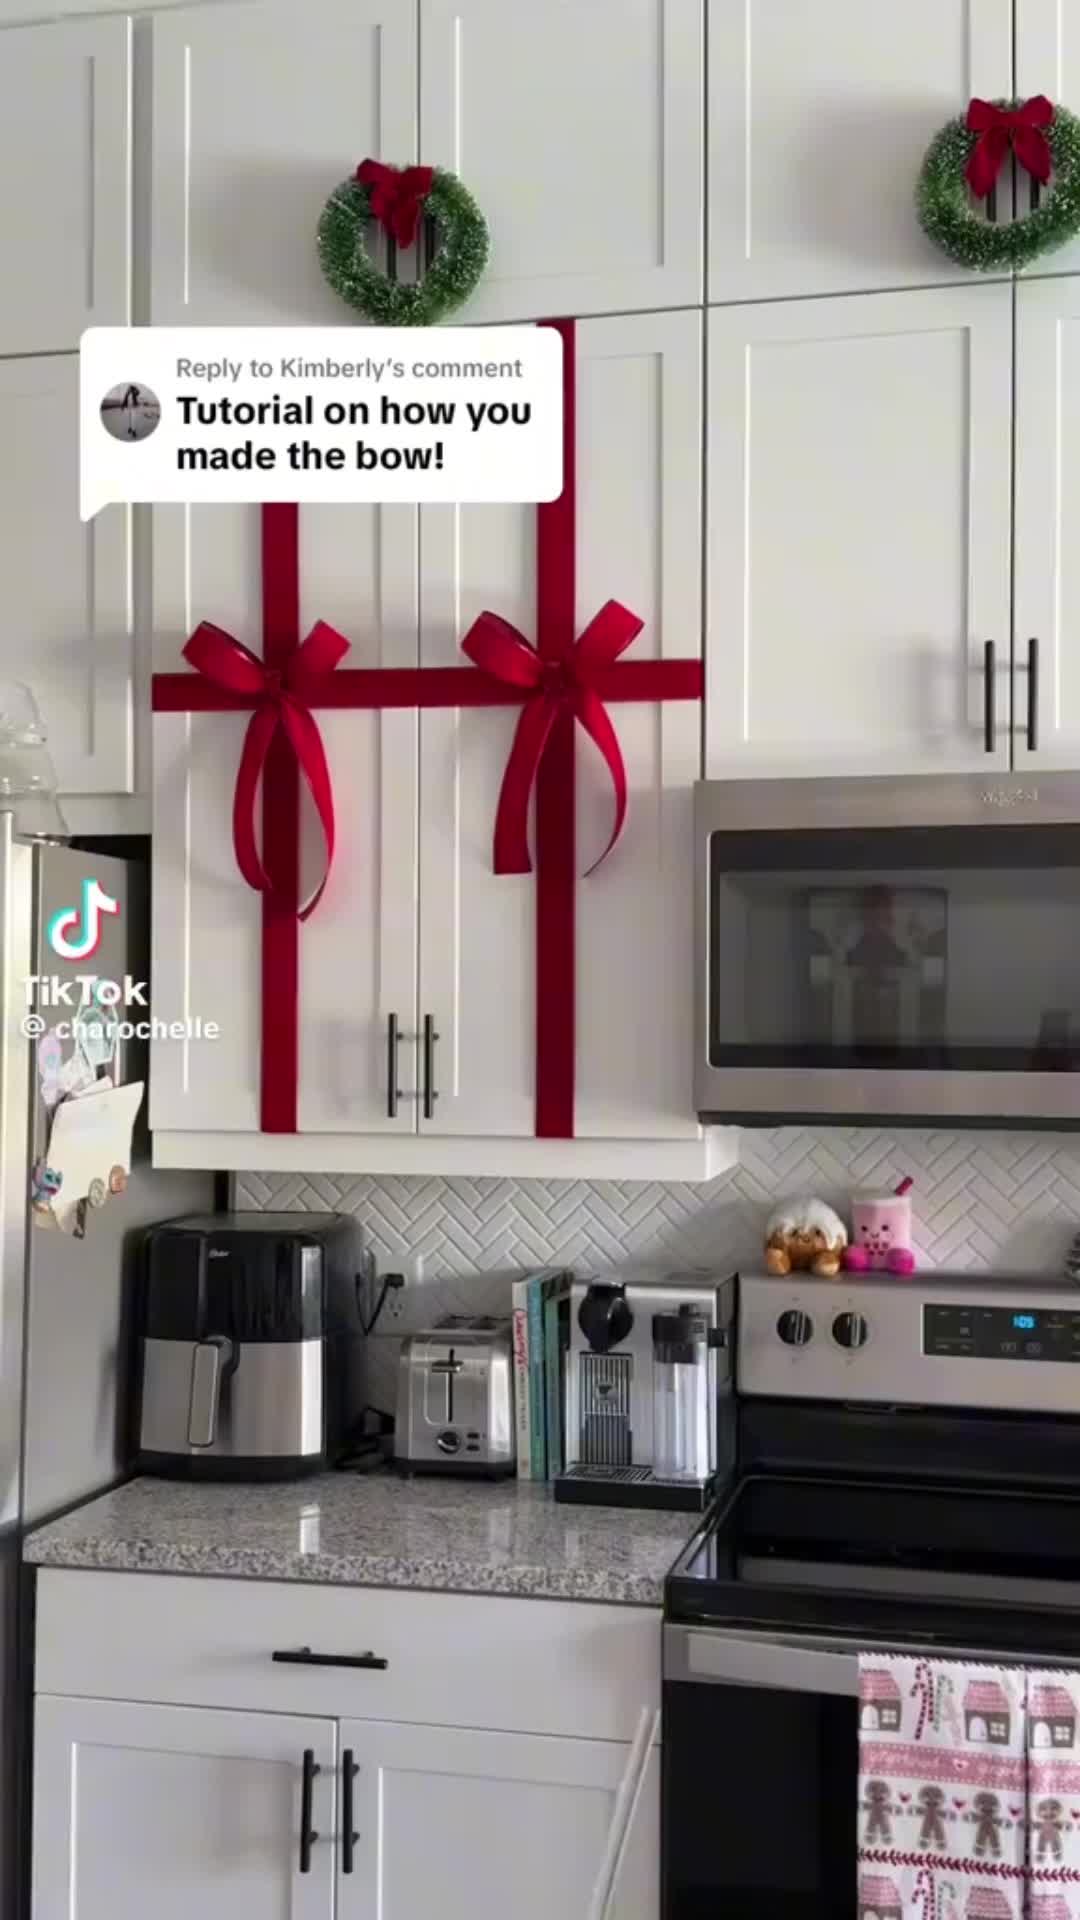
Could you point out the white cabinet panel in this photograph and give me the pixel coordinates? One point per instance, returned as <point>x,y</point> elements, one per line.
<point>468,1824</point>
<point>260,109</point>
<point>577,124</point>
<point>1047,601</point>
<point>818,119</point>
<point>638,476</point>
<point>68,622</point>
<point>148,1809</point>
<point>859,533</point>
<point>358,950</point>
<point>65,211</point>
<point>1048,61</point>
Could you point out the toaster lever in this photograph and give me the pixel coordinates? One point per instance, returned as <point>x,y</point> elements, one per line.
<point>208,1361</point>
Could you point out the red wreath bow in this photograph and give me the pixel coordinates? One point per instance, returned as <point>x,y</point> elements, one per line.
<point>280,692</point>
<point>1000,128</point>
<point>557,685</point>
<point>397,196</point>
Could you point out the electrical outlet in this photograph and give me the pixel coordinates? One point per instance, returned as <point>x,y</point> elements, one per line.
<point>395,1306</point>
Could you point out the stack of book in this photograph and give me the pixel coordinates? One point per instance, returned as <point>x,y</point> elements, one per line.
<point>541,1335</point>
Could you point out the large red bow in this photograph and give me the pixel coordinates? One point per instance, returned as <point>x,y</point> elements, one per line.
<point>1000,128</point>
<point>397,196</point>
<point>280,693</point>
<point>499,649</point>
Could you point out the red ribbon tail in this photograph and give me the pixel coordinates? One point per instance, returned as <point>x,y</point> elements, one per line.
<point>307,744</point>
<point>984,163</point>
<point>261,730</point>
<point>1033,152</point>
<point>594,717</point>
<point>512,817</point>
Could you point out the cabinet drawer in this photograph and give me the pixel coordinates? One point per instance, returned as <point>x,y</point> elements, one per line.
<point>466,1660</point>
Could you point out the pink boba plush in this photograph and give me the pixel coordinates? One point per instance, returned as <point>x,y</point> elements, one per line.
<point>881,1232</point>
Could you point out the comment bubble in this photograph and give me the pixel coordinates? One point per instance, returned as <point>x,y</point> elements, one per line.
<point>204,414</point>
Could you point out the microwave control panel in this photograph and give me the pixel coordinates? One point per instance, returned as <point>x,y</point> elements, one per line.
<point>1001,1333</point>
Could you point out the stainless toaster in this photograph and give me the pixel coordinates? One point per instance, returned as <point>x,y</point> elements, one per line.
<point>455,1406</point>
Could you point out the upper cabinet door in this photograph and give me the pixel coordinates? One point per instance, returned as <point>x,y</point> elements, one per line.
<point>357,952</point>
<point>577,124</point>
<point>819,115</point>
<point>859,533</point>
<point>65,216</point>
<point>68,623</point>
<point>1047,602</point>
<point>260,109</point>
<point>1048,61</point>
<point>638,541</point>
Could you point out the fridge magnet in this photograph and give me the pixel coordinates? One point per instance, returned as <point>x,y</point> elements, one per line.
<point>97,1193</point>
<point>877,967</point>
<point>117,1180</point>
<point>804,1236</point>
<point>45,1184</point>
<point>411,204</point>
<point>89,1136</point>
<point>960,170</point>
<point>95,1029</point>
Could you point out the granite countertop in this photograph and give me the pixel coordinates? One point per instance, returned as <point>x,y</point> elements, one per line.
<point>374,1530</point>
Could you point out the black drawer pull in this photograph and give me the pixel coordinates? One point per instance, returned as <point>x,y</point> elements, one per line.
<point>308,1835</point>
<point>430,1094</point>
<point>349,1837</point>
<point>989,697</point>
<point>303,1657</point>
<point>1033,696</point>
<point>392,1089</point>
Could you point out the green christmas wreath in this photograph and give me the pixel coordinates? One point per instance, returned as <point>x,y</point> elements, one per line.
<point>950,172</point>
<point>399,199</point>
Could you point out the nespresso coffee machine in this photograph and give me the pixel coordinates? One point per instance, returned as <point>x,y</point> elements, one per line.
<point>648,1391</point>
<point>248,1333</point>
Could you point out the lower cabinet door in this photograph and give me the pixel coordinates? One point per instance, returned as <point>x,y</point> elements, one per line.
<point>471,1826</point>
<point>176,1812</point>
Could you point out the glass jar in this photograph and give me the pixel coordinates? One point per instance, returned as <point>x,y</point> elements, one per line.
<point>27,774</point>
<point>683,1402</point>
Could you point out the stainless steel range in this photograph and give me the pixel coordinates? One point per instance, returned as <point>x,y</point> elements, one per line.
<point>908,1477</point>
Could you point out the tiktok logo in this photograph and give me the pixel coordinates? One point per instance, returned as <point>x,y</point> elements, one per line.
<point>75,932</point>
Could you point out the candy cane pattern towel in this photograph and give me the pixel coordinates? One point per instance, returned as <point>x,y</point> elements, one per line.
<point>1054,1795</point>
<point>942,1803</point>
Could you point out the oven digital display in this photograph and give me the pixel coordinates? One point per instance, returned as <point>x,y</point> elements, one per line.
<point>1001,1333</point>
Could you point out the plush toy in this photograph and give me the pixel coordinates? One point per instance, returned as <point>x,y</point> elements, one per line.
<point>804,1235</point>
<point>881,1232</point>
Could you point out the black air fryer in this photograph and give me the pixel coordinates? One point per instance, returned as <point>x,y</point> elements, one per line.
<point>248,1330</point>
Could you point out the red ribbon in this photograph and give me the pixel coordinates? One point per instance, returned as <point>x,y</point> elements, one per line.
<point>1000,128</point>
<point>397,196</point>
<point>280,708</point>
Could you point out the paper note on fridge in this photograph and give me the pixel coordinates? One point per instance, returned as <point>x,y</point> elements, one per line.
<point>90,1141</point>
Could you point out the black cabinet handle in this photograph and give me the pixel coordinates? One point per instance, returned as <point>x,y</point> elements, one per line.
<point>349,1838</point>
<point>430,1095</point>
<point>392,1037</point>
<point>308,1835</point>
<point>989,697</point>
<point>303,1657</point>
<point>1033,696</point>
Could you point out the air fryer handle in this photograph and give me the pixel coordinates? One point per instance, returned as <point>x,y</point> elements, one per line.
<point>208,1362</point>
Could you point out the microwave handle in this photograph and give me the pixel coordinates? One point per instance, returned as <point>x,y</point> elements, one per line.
<point>701,1656</point>
<point>208,1362</point>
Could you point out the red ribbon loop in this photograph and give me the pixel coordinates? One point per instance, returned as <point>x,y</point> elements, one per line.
<point>497,648</point>
<point>280,692</point>
<point>1000,128</point>
<point>397,196</point>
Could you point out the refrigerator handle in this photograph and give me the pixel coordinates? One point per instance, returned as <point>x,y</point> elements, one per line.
<point>208,1362</point>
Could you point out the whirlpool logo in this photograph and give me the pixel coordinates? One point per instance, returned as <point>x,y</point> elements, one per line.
<point>75,932</point>
<point>1004,797</point>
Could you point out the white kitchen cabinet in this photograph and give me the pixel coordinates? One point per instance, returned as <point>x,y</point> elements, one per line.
<point>1047,584</point>
<point>819,116</point>
<point>859,533</point>
<point>260,108</point>
<point>578,125</point>
<point>146,1809</point>
<point>68,616</point>
<point>638,473</point>
<point>358,950</point>
<point>471,1824</point>
<point>1048,61</point>
<point>65,214</point>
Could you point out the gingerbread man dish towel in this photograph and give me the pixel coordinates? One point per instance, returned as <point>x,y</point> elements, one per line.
<point>942,1790</point>
<point>1053,1795</point>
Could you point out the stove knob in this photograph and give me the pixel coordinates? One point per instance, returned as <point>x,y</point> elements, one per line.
<point>849,1330</point>
<point>795,1329</point>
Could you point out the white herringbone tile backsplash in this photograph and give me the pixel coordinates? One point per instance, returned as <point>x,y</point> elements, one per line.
<point>1004,1200</point>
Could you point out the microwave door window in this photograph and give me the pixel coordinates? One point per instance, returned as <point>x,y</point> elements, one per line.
<point>896,950</point>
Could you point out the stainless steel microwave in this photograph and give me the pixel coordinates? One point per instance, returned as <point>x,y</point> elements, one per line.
<point>889,948</point>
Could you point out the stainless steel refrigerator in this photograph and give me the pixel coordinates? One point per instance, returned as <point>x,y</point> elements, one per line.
<point>63,1324</point>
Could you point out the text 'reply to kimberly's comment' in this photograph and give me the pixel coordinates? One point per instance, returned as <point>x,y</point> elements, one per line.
<point>205,414</point>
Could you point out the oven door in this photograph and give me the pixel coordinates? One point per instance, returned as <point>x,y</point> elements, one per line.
<point>760,1772</point>
<point>888,947</point>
